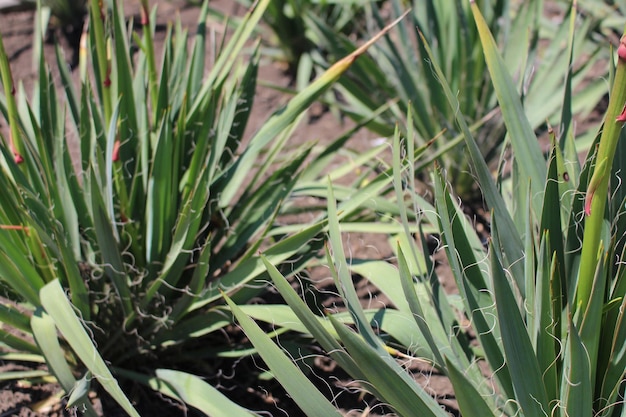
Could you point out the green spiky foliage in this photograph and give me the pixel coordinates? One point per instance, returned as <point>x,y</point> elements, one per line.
<point>132,203</point>
<point>535,324</point>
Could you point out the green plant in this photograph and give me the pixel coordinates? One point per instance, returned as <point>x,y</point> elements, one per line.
<point>290,40</point>
<point>156,209</point>
<point>67,12</point>
<point>537,327</point>
<point>609,15</point>
<point>68,15</point>
<point>399,70</point>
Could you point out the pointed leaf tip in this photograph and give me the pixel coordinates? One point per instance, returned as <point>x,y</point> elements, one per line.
<point>597,177</point>
<point>359,51</point>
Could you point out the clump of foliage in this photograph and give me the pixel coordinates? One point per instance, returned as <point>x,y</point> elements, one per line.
<point>115,252</point>
<point>400,71</point>
<point>312,35</point>
<point>537,326</point>
<point>66,15</point>
<point>290,38</point>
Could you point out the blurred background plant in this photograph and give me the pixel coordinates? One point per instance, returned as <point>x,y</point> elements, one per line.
<point>68,14</point>
<point>67,11</point>
<point>535,324</point>
<point>397,72</point>
<point>140,199</point>
<point>610,16</point>
<point>289,38</point>
<point>532,48</point>
<point>65,16</point>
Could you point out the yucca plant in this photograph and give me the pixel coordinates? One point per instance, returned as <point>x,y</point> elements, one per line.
<point>536,326</point>
<point>399,71</point>
<point>609,15</point>
<point>64,17</point>
<point>290,41</point>
<point>115,247</point>
<point>68,15</point>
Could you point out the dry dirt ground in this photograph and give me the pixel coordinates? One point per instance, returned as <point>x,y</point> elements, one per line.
<point>266,397</point>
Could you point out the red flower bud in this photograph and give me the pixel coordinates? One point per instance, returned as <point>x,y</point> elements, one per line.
<point>107,77</point>
<point>621,49</point>
<point>622,116</point>
<point>116,151</point>
<point>17,157</point>
<point>145,18</point>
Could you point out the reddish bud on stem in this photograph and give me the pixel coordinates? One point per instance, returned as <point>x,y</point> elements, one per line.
<point>622,116</point>
<point>107,78</point>
<point>621,49</point>
<point>17,157</point>
<point>116,151</point>
<point>145,19</point>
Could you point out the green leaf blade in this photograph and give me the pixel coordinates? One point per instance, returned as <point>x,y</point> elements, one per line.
<point>303,392</point>
<point>57,306</point>
<point>527,380</point>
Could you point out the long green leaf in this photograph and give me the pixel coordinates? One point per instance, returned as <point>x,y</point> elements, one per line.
<point>343,277</point>
<point>471,281</point>
<point>106,232</point>
<point>194,391</point>
<point>523,139</point>
<point>45,334</point>
<point>471,402</point>
<point>427,320</point>
<point>551,219</point>
<point>13,375</point>
<point>17,272</point>
<point>616,359</point>
<point>57,306</point>
<point>313,324</point>
<point>545,315</point>
<point>512,243</point>
<point>284,117</point>
<point>576,388</point>
<point>395,385</point>
<point>251,268</point>
<point>12,316</point>
<point>530,390</point>
<point>9,339</point>
<point>303,392</point>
